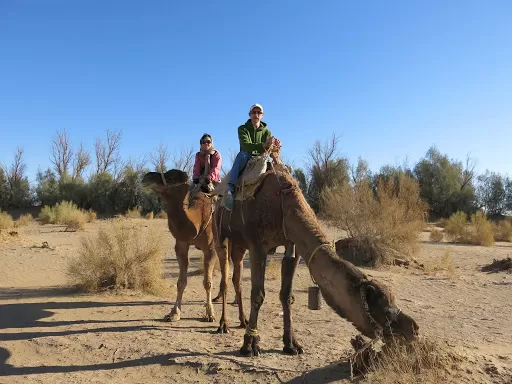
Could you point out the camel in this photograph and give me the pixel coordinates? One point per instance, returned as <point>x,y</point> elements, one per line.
<point>278,214</point>
<point>190,222</point>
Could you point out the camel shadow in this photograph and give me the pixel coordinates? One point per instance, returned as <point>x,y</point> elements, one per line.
<point>329,374</point>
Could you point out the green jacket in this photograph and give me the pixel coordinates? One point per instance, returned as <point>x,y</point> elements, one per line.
<point>251,140</point>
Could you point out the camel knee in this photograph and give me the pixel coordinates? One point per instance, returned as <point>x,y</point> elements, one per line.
<point>207,284</point>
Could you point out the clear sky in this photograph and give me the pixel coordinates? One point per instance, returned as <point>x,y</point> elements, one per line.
<point>390,78</point>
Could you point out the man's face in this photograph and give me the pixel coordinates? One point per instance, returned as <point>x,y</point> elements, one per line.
<point>256,115</point>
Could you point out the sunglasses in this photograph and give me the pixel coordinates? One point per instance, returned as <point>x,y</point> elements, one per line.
<point>256,113</point>
<point>206,142</point>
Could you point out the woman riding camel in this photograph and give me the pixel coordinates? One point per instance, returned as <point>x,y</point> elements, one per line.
<point>207,165</point>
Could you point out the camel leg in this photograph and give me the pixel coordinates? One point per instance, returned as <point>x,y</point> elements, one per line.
<point>209,263</point>
<point>237,256</point>
<point>181,249</point>
<point>222,253</point>
<point>289,265</point>
<point>258,259</point>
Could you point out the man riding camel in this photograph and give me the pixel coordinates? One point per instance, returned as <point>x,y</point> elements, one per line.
<point>255,138</point>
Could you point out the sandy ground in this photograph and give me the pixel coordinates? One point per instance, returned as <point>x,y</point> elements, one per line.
<point>50,334</point>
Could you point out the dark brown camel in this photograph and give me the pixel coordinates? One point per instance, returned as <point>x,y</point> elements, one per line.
<point>190,222</point>
<point>279,215</point>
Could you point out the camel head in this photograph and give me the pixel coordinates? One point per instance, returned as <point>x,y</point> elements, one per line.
<point>160,182</point>
<point>381,313</point>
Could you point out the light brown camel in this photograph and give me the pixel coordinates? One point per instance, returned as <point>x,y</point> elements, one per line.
<point>190,222</point>
<point>278,215</point>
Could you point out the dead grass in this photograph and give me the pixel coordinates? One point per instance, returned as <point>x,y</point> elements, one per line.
<point>385,222</point>
<point>502,230</point>
<point>150,216</point>
<point>436,235</point>
<point>442,264</point>
<point>135,213</point>
<point>6,221</point>
<point>120,257</point>
<point>422,361</point>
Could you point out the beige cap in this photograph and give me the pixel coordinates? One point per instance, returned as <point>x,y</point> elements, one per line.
<point>256,106</point>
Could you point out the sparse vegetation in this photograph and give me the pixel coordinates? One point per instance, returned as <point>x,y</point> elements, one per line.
<point>422,361</point>
<point>150,215</point>
<point>23,220</point>
<point>134,213</point>
<point>499,265</point>
<point>442,264</point>
<point>65,213</point>
<point>502,231</point>
<point>436,235</point>
<point>161,215</point>
<point>477,232</point>
<point>383,222</point>
<point>119,257</point>
<point>6,221</point>
<point>90,215</point>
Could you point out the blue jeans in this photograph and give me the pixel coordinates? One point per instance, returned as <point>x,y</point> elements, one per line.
<point>238,165</point>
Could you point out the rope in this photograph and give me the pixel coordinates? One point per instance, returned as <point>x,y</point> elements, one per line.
<point>251,332</point>
<point>311,258</point>
<point>207,223</point>
<point>163,178</point>
<point>376,326</point>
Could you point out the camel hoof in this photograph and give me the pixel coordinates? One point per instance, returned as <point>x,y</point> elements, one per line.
<point>171,317</point>
<point>251,346</point>
<point>223,328</point>
<point>293,350</point>
<point>209,318</point>
<point>244,323</point>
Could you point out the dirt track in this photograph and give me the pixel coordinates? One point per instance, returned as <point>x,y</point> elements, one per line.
<point>53,335</point>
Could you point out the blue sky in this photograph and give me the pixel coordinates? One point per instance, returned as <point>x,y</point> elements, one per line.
<point>389,78</point>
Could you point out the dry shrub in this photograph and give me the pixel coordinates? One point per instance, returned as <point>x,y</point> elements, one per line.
<point>386,221</point>
<point>502,231</point>
<point>6,221</point>
<point>150,215</point>
<point>120,257</point>
<point>24,220</point>
<point>421,361</point>
<point>456,228</point>
<point>482,234</point>
<point>65,213</point>
<point>161,215</point>
<point>90,215</point>
<point>441,264</point>
<point>273,270</point>
<point>436,235</point>
<point>477,232</point>
<point>134,213</point>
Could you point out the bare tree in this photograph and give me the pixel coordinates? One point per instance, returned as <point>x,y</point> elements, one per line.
<point>360,172</point>
<point>62,153</point>
<point>18,188</point>
<point>81,161</point>
<point>184,160</point>
<point>160,157</point>
<point>136,164</point>
<point>107,154</point>
<point>468,172</point>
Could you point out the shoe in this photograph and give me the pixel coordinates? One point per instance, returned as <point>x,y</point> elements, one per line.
<point>228,201</point>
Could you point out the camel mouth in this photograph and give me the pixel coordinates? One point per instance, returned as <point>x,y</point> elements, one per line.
<point>403,325</point>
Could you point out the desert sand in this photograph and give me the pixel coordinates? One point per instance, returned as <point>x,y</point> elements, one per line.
<point>53,334</point>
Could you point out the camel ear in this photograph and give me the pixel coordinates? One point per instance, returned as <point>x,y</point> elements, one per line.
<point>371,292</point>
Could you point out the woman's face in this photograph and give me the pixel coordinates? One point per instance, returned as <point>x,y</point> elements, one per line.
<point>206,143</point>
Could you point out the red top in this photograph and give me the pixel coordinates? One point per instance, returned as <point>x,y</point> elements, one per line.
<point>215,166</point>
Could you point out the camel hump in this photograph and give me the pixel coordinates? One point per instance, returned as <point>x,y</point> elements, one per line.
<point>173,176</point>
